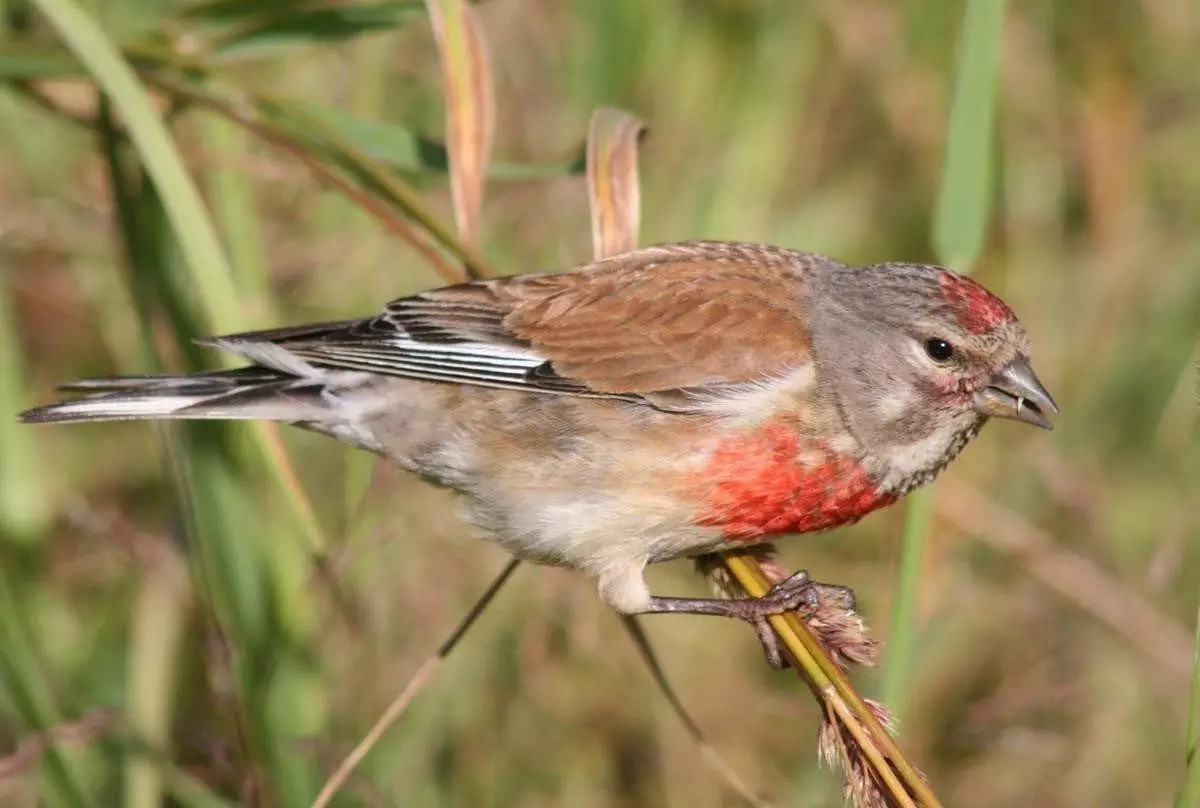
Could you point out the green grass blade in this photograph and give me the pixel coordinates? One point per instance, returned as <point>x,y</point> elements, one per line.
<point>189,792</point>
<point>965,195</point>
<point>255,581</point>
<point>960,224</point>
<point>28,689</point>
<point>160,617</point>
<point>259,29</point>
<point>1189,794</point>
<point>183,788</point>
<point>20,61</point>
<point>415,154</point>
<point>234,202</point>
<point>190,223</point>
<point>230,577</point>
<point>211,275</point>
<point>231,11</point>
<point>332,145</point>
<point>25,507</point>
<point>918,516</point>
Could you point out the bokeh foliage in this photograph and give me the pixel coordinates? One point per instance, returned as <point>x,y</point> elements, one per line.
<point>172,576</point>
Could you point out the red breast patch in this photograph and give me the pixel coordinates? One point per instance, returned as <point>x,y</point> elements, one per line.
<point>754,485</point>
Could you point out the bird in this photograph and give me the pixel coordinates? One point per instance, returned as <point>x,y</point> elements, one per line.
<point>668,402</point>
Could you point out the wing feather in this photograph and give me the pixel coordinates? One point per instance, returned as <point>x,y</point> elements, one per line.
<point>691,317</point>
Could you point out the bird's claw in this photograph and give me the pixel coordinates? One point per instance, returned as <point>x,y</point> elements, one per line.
<point>798,592</point>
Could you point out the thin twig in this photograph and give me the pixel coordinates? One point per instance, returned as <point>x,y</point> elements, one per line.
<point>707,750</point>
<point>412,689</point>
<point>31,747</point>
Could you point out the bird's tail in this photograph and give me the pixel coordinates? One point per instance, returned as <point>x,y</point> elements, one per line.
<point>244,393</point>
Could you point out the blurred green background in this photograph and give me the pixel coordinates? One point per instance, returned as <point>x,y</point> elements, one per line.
<point>165,576</point>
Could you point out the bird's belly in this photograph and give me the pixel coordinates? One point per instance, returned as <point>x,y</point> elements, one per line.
<point>581,529</point>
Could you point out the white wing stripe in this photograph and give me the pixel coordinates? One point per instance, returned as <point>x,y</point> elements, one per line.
<point>407,344</point>
<point>486,363</point>
<point>413,370</point>
<point>401,355</point>
<point>481,359</point>
<point>399,361</point>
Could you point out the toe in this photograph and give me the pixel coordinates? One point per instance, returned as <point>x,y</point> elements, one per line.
<point>843,596</point>
<point>770,644</point>
<point>797,580</point>
<point>790,594</point>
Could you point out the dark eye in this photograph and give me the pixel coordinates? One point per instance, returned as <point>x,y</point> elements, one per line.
<point>938,349</point>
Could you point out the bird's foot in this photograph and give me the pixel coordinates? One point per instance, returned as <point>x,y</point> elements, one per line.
<point>798,592</point>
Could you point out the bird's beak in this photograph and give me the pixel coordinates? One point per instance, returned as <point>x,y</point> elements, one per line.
<point>1015,392</point>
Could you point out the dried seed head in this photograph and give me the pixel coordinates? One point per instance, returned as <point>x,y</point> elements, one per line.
<point>863,787</point>
<point>843,633</point>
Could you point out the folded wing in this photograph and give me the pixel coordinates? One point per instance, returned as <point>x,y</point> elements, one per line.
<point>693,317</point>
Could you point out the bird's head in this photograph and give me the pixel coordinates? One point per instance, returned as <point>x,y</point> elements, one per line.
<point>917,357</point>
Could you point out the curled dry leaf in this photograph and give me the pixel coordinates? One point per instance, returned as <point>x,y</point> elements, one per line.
<point>470,107</point>
<point>612,174</point>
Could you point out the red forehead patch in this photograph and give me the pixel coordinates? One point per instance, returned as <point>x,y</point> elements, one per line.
<point>977,309</point>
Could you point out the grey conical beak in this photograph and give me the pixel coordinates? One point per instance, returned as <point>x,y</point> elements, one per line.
<point>1015,392</point>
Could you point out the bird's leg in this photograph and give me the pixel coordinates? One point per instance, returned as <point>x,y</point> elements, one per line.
<point>789,595</point>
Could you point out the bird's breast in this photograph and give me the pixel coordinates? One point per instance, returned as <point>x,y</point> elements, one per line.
<point>771,480</point>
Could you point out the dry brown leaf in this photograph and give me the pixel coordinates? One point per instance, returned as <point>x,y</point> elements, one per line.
<point>470,107</point>
<point>612,173</point>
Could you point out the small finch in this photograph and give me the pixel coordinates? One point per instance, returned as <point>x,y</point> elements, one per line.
<point>668,402</point>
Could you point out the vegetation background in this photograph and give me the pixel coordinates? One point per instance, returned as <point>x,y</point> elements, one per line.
<point>1052,656</point>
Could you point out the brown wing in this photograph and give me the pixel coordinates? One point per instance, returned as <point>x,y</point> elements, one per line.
<point>685,316</point>
<point>660,318</point>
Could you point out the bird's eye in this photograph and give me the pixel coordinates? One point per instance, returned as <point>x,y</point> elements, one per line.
<point>939,350</point>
